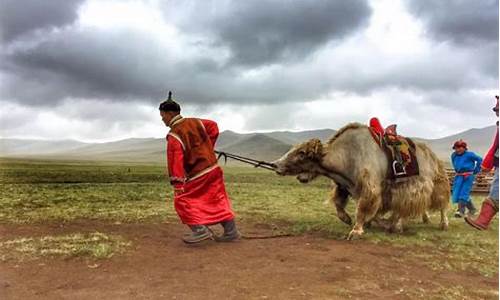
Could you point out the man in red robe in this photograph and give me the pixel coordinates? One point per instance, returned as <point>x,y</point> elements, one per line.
<point>200,196</point>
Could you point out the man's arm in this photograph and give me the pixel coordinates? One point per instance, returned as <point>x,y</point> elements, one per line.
<point>479,161</point>
<point>212,130</point>
<point>175,159</point>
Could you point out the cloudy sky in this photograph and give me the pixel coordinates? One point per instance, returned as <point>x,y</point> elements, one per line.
<point>97,70</point>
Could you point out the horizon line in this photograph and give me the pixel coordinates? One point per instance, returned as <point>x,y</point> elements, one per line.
<point>228,130</point>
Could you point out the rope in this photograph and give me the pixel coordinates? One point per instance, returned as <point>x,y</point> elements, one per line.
<point>264,237</point>
<point>253,162</point>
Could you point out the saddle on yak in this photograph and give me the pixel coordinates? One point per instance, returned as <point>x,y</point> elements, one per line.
<point>400,151</point>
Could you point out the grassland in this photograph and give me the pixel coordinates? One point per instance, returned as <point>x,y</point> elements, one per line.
<point>33,192</point>
<point>94,245</point>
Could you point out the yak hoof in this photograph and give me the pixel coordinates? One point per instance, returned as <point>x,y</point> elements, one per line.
<point>396,228</point>
<point>425,218</point>
<point>385,224</point>
<point>354,234</point>
<point>443,226</point>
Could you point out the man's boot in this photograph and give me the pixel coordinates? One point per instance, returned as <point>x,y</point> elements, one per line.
<point>488,211</point>
<point>460,210</point>
<point>199,233</point>
<point>231,233</point>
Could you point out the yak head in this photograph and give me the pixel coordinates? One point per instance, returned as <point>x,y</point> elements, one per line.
<point>302,160</point>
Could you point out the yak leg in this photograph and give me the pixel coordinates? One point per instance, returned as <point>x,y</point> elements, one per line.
<point>366,210</point>
<point>395,224</point>
<point>341,213</point>
<point>340,197</point>
<point>444,220</point>
<point>379,221</point>
<point>440,198</point>
<point>425,218</point>
<point>370,200</point>
<point>398,226</point>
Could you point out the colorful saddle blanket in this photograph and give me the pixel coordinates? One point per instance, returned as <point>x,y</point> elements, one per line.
<point>400,152</point>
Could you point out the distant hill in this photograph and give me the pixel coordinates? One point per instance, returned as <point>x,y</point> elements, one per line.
<point>228,138</point>
<point>478,139</point>
<point>34,147</point>
<point>135,149</point>
<point>290,137</point>
<point>258,146</point>
<point>262,146</point>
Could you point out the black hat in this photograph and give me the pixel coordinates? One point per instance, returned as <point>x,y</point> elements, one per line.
<point>170,105</point>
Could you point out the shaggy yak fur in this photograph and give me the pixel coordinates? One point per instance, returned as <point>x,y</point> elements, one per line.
<point>358,168</point>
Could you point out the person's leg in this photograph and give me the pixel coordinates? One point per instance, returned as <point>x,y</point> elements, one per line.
<point>464,195</point>
<point>198,233</point>
<point>489,208</point>
<point>493,195</point>
<point>457,185</point>
<point>231,233</point>
<point>470,206</point>
<point>455,194</point>
<point>488,211</point>
<point>461,209</point>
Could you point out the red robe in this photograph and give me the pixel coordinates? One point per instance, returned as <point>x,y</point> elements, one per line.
<point>489,158</point>
<point>204,199</point>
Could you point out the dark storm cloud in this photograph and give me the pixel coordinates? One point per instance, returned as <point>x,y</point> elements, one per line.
<point>86,64</point>
<point>469,24</point>
<point>116,65</point>
<point>460,21</point>
<point>18,17</point>
<point>263,32</point>
<point>250,52</point>
<point>123,64</point>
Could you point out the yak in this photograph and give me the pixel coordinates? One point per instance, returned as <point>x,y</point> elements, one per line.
<point>359,167</point>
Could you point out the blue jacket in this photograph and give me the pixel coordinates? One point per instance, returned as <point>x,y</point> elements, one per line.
<point>467,162</point>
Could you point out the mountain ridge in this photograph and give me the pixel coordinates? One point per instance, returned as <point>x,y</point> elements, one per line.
<point>258,145</point>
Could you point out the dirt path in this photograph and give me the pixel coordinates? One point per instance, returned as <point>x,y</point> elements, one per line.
<point>160,266</point>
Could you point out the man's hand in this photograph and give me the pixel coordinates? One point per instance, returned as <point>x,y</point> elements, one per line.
<point>178,191</point>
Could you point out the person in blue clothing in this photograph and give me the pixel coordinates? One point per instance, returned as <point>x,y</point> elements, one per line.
<point>466,164</point>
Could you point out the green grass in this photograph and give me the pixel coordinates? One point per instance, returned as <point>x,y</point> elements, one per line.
<point>48,191</point>
<point>94,245</point>
<point>28,203</point>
